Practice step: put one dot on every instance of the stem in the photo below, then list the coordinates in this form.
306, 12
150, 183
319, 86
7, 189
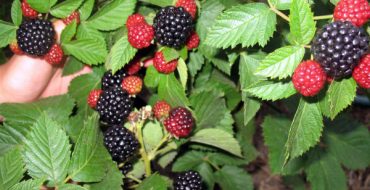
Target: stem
323, 17
154, 151
281, 14
144, 155
164, 150
134, 178
307, 46
67, 179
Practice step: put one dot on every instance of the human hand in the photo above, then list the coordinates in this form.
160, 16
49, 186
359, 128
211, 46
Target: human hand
24, 78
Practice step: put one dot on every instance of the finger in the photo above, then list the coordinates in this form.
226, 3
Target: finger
59, 85
58, 27
24, 78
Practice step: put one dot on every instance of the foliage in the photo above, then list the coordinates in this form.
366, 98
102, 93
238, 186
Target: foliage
247, 55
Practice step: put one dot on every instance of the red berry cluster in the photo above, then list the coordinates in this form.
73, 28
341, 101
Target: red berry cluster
140, 33
361, 73
179, 121
309, 78
355, 11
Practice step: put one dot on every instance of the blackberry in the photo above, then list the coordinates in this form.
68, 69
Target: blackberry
189, 180
114, 105
173, 26
36, 37
338, 47
112, 81
121, 143
126, 168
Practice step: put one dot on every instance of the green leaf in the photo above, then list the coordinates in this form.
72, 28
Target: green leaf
341, 95
42, 6
352, 147
302, 25
189, 160
170, 89
217, 138
281, 4
152, 77
11, 169
196, 62
71, 187
72, 66
12, 135
161, 3
112, 15
325, 173
281, 63
183, 72
47, 151
89, 159
271, 90
120, 54
112, 180
207, 173
305, 130
208, 15
240, 24
209, 108
334, 2
27, 114
170, 54
275, 134
80, 88
16, 12
231, 177
86, 9
68, 32
88, 51
154, 182
65, 8
153, 133
31, 184
7, 33
247, 67
86, 32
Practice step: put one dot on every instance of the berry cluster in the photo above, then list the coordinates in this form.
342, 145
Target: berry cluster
140, 33
339, 49
114, 104
37, 37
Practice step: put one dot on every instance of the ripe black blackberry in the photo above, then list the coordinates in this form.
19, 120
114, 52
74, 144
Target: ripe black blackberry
189, 180
112, 81
36, 37
173, 26
121, 143
338, 47
114, 105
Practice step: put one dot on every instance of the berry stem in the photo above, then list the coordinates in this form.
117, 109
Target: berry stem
323, 17
134, 178
153, 153
166, 149
281, 14
144, 155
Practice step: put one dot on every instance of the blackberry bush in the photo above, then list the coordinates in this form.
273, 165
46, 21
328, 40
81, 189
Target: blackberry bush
184, 94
